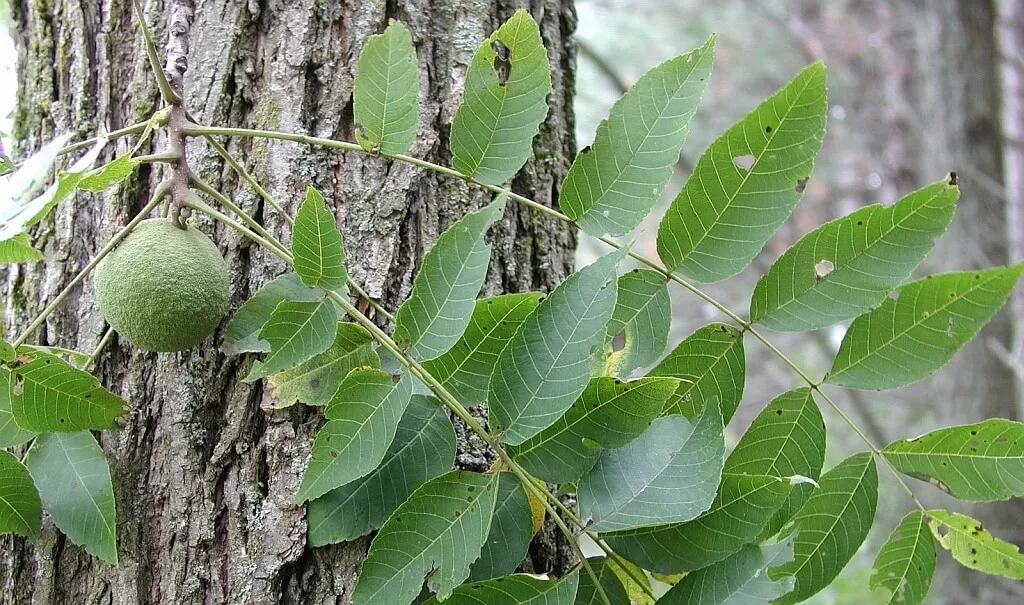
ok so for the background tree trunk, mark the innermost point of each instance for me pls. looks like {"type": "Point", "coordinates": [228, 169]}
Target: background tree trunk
{"type": "Point", "coordinates": [204, 478]}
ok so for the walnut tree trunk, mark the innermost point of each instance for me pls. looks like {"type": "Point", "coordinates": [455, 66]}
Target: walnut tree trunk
{"type": "Point", "coordinates": [203, 477]}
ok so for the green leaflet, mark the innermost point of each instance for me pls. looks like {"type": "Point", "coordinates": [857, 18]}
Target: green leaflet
{"type": "Point", "coordinates": [20, 509]}
{"type": "Point", "coordinates": [362, 418]}
{"type": "Point", "coordinates": [386, 92]}
{"type": "Point", "coordinates": [914, 334]}
{"type": "Point", "coordinates": [633, 579]}
{"type": "Point", "coordinates": [608, 414]}
{"type": "Point", "coordinates": [423, 448]}
{"type": "Point", "coordinates": [518, 589]}
{"type": "Point", "coordinates": [436, 534]}
{"type": "Point", "coordinates": [503, 103]}
{"type": "Point", "coordinates": [317, 251]}
{"type": "Point", "coordinates": [444, 291]}
{"type": "Point", "coordinates": [638, 330]}
{"type": "Point", "coordinates": [613, 184]}
{"type": "Point", "coordinates": [669, 474]}
{"type": "Point", "coordinates": [906, 562]}
{"type": "Point", "coordinates": [242, 334]}
{"type": "Point", "coordinates": [746, 183]}
{"type": "Point", "coordinates": [73, 479]}
{"type": "Point", "coordinates": [847, 266]}
{"type": "Point", "coordinates": [711, 364]}
{"type": "Point", "coordinates": [10, 433]}
{"type": "Point", "coordinates": [465, 369]}
{"type": "Point", "coordinates": [981, 462]}
{"type": "Point", "coordinates": [786, 439]}
{"type": "Point", "coordinates": [296, 331]}
{"type": "Point", "coordinates": [49, 395]}
{"type": "Point", "coordinates": [832, 526]}
{"type": "Point", "coordinates": [510, 534]}
{"type": "Point", "coordinates": [742, 579]}
{"type": "Point", "coordinates": [742, 507]}
{"type": "Point", "coordinates": [587, 593]}
{"type": "Point", "coordinates": [109, 175]}
{"type": "Point", "coordinates": [18, 249]}
{"type": "Point", "coordinates": [545, 366]}
{"type": "Point", "coordinates": [973, 547]}
{"type": "Point", "coordinates": [315, 381]}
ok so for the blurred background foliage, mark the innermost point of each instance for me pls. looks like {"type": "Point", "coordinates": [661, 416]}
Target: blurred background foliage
{"type": "Point", "coordinates": [916, 88]}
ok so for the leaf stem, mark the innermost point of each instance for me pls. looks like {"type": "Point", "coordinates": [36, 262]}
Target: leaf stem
{"type": "Point", "coordinates": [166, 157]}
{"type": "Point", "coordinates": [110, 136]}
{"type": "Point", "coordinates": [99, 349]}
{"type": "Point", "coordinates": [197, 204]}
{"type": "Point", "coordinates": [223, 200]}
{"type": "Point", "coordinates": [170, 97]}
{"type": "Point", "coordinates": [158, 194]}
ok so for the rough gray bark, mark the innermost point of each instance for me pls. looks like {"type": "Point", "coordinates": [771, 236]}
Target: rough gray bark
{"type": "Point", "coordinates": [960, 108]}
{"type": "Point", "coordinates": [203, 477]}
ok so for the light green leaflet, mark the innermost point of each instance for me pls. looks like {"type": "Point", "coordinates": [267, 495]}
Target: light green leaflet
{"type": "Point", "coordinates": [518, 589]}
{"type": "Point", "coordinates": [7, 352]}
{"type": "Point", "coordinates": [669, 474]}
{"type": "Point", "coordinates": [317, 251]}
{"type": "Point", "coordinates": [315, 381]}
{"type": "Point", "coordinates": [613, 184]}
{"type": "Point", "coordinates": [362, 418]}
{"type": "Point", "coordinates": [608, 414]}
{"type": "Point", "coordinates": [832, 526]}
{"type": "Point", "coordinates": [906, 562]}
{"type": "Point", "coordinates": [444, 291]}
{"type": "Point", "coordinates": [746, 183]}
{"type": "Point", "coordinates": [20, 509]}
{"type": "Point", "coordinates": [974, 547]}
{"type": "Point", "coordinates": [112, 173]}
{"type": "Point", "coordinates": [741, 509]}
{"type": "Point", "coordinates": [18, 249]}
{"type": "Point", "coordinates": [242, 334]}
{"type": "Point", "coordinates": [742, 579]}
{"type": "Point", "coordinates": [503, 103]}
{"type": "Point", "coordinates": [916, 332]}
{"type": "Point", "coordinates": [49, 395]}
{"type": "Point", "coordinates": [74, 483]}
{"type": "Point", "coordinates": [10, 433]}
{"type": "Point", "coordinates": [437, 533]}
{"type": "Point", "coordinates": [711, 364]}
{"type": "Point", "coordinates": [465, 369]}
{"type": "Point", "coordinates": [587, 593]}
{"type": "Point", "coordinates": [638, 331]}
{"type": "Point", "coordinates": [981, 462]}
{"type": "Point", "coordinates": [423, 448]}
{"type": "Point", "coordinates": [510, 534]}
{"type": "Point", "coordinates": [633, 579]}
{"type": "Point", "coordinates": [847, 267]}
{"type": "Point", "coordinates": [545, 366]}
{"type": "Point", "coordinates": [296, 331]}
{"type": "Point", "coordinates": [786, 439]}
{"type": "Point", "coordinates": [385, 92]}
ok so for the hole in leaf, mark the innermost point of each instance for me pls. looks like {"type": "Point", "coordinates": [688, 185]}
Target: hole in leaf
{"type": "Point", "coordinates": [801, 184]}
{"type": "Point", "coordinates": [744, 162]}
{"type": "Point", "coordinates": [619, 342]}
{"type": "Point", "coordinates": [823, 269]}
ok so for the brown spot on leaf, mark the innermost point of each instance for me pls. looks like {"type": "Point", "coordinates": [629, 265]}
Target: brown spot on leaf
{"type": "Point", "coordinates": [801, 184]}
{"type": "Point", "coordinates": [502, 61]}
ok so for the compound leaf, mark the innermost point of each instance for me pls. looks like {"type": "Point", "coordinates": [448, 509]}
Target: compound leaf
{"type": "Point", "coordinates": [848, 266]}
{"type": "Point", "coordinates": [746, 183]}
{"type": "Point", "coordinates": [974, 547]}
{"type": "Point", "coordinates": [50, 395]}
{"type": "Point", "coordinates": [503, 103]}
{"type": "Point", "coordinates": [317, 251]}
{"type": "Point", "coordinates": [918, 331]}
{"type": "Point", "coordinates": [545, 366]}
{"type": "Point", "coordinates": [20, 509]}
{"type": "Point", "coordinates": [710, 364]}
{"type": "Point", "coordinates": [362, 418]}
{"type": "Point", "coordinates": [437, 533]}
{"type": "Point", "coordinates": [423, 448]}
{"type": "Point", "coordinates": [465, 369]}
{"type": "Point", "coordinates": [444, 291]}
{"type": "Point", "coordinates": [73, 479]}
{"type": "Point", "coordinates": [608, 414]}
{"type": "Point", "coordinates": [667, 475]}
{"type": "Point", "coordinates": [906, 562]}
{"type": "Point", "coordinates": [832, 526]}
{"type": "Point", "coordinates": [981, 462]}
{"type": "Point", "coordinates": [613, 184]}
{"type": "Point", "coordinates": [386, 92]}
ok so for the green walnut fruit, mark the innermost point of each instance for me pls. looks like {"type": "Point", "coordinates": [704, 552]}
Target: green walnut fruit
{"type": "Point", "coordinates": [163, 288]}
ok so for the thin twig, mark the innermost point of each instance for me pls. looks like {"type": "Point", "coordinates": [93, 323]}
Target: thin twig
{"type": "Point", "coordinates": [99, 349]}
{"type": "Point", "coordinates": [170, 97]}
